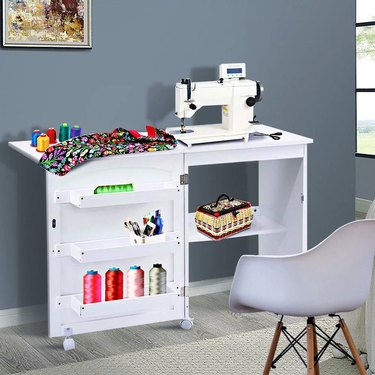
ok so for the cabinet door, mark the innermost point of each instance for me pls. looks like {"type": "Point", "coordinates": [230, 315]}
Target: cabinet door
{"type": "Point", "coordinates": [86, 231]}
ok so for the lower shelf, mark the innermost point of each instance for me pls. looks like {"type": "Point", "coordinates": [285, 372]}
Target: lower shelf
{"type": "Point", "coordinates": [123, 307]}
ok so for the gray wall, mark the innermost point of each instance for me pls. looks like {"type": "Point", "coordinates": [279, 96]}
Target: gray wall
{"type": "Point", "coordinates": [302, 51]}
{"type": "Point", "coordinates": [365, 178]}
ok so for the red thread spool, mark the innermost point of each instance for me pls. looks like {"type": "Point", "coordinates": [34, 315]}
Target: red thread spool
{"type": "Point", "coordinates": [92, 287]}
{"type": "Point", "coordinates": [114, 284]}
{"type": "Point", "coordinates": [51, 132]}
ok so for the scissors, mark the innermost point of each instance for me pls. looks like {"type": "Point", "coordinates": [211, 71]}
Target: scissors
{"type": "Point", "coordinates": [274, 136]}
{"type": "Point", "coordinates": [133, 226]}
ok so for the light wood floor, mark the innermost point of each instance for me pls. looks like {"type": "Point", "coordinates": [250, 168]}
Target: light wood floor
{"type": "Point", "coordinates": [28, 347]}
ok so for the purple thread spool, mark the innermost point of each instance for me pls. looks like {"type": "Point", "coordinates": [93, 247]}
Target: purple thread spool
{"type": "Point", "coordinates": [75, 131]}
{"type": "Point", "coordinates": [34, 136]}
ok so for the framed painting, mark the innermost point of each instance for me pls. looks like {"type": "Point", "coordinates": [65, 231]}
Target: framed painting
{"type": "Point", "coordinates": [47, 23]}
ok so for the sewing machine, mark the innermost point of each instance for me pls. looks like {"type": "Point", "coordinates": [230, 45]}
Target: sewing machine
{"type": "Point", "coordinates": [237, 97]}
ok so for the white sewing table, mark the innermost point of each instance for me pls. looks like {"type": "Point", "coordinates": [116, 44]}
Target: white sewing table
{"type": "Point", "coordinates": [85, 231]}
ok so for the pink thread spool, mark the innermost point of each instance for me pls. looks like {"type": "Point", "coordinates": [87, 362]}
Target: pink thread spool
{"type": "Point", "coordinates": [92, 287]}
{"type": "Point", "coordinates": [135, 286]}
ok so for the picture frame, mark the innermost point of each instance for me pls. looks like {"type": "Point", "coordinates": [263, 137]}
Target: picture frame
{"type": "Point", "coordinates": [47, 23]}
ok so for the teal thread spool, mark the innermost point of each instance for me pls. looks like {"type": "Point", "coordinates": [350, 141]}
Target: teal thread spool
{"type": "Point", "coordinates": [64, 132]}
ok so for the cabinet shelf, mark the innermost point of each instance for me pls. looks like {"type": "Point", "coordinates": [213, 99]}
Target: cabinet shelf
{"type": "Point", "coordinates": [261, 225]}
{"type": "Point", "coordinates": [123, 307]}
{"type": "Point", "coordinates": [115, 248]}
{"type": "Point", "coordinates": [152, 192]}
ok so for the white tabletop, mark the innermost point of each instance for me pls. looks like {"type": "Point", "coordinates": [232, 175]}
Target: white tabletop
{"type": "Point", "coordinates": [287, 139]}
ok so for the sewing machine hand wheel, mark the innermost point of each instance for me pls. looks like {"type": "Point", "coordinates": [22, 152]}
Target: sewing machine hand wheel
{"type": "Point", "coordinates": [250, 101]}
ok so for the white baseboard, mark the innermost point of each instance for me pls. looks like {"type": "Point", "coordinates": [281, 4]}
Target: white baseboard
{"type": "Point", "coordinates": [38, 313]}
{"type": "Point", "coordinates": [362, 205]}
{"type": "Point", "coordinates": [23, 315]}
{"type": "Point", "coordinates": [198, 288]}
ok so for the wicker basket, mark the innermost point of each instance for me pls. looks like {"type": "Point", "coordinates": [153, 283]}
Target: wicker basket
{"type": "Point", "coordinates": [224, 217]}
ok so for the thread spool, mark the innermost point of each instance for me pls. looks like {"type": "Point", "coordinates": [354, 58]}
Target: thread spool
{"type": "Point", "coordinates": [75, 131]}
{"type": "Point", "coordinates": [34, 136]}
{"type": "Point", "coordinates": [64, 132]}
{"type": "Point", "coordinates": [157, 280]}
{"type": "Point", "coordinates": [135, 282]}
{"type": "Point", "coordinates": [105, 189]}
{"type": "Point", "coordinates": [92, 287]}
{"type": "Point", "coordinates": [51, 132]}
{"type": "Point", "coordinates": [114, 284]}
{"type": "Point", "coordinates": [42, 143]}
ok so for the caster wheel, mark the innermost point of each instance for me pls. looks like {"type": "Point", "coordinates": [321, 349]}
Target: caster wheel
{"type": "Point", "coordinates": [69, 344]}
{"type": "Point", "coordinates": [186, 324]}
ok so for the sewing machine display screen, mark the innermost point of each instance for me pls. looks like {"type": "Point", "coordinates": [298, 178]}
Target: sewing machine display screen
{"type": "Point", "coordinates": [237, 70]}
{"type": "Point", "coordinates": [234, 71]}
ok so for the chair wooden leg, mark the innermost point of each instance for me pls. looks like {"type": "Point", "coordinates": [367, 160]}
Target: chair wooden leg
{"type": "Point", "coordinates": [310, 349]}
{"type": "Point", "coordinates": [353, 348]}
{"type": "Point", "coordinates": [317, 369]}
{"type": "Point", "coordinates": [271, 353]}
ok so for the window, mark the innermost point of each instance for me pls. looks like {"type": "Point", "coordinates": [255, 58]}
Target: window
{"type": "Point", "coordinates": [365, 77]}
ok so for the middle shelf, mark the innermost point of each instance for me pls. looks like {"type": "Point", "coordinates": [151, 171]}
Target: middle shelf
{"type": "Point", "coordinates": [115, 248]}
{"type": "Point", "coordinates": [123, 248]}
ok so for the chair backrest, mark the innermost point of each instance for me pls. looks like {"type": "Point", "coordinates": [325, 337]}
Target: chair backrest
{"type": "Point", "coordinates": [334, 276]}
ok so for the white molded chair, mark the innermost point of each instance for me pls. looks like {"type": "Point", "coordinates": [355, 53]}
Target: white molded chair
{"type": "Point", "coordinates": [332, 277]}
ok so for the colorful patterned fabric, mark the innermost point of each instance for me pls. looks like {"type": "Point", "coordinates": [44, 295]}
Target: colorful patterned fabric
{"type": "Point", "coordinates": [62, 157]}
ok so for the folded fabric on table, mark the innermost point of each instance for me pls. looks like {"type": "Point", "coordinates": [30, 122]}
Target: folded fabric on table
{"type": "Point", "coordinates": [60, 158]}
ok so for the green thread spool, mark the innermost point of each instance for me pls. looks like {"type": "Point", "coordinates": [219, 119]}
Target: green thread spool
{"type": "Point", "coordinates": [106, 189]}
{"type": "Point", "coordinates": [64, 132]}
